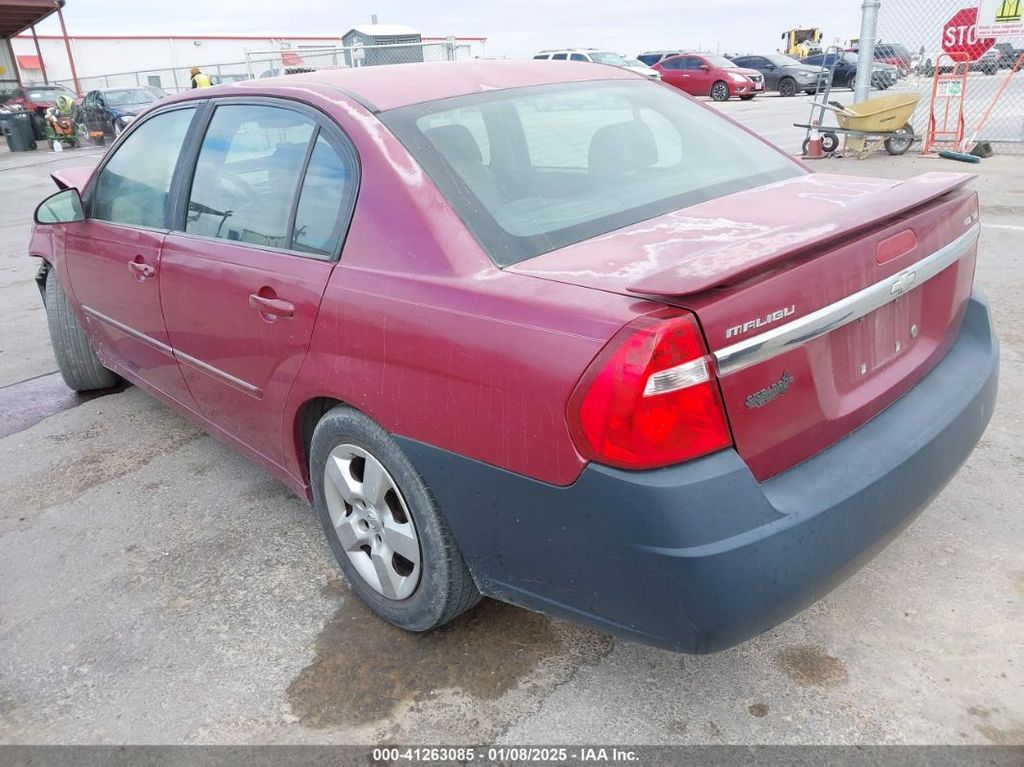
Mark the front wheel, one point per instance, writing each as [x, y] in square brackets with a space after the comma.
[787, 87]
[79, 366]
[720, 91]
[383, 526]
[900, 141]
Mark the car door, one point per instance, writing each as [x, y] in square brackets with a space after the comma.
[113, 256]
[92, 112]
[258, 233]
[700, 75]
[766, 68]
[673, 72]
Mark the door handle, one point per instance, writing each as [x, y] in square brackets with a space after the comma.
[140, 269]
[271, 307]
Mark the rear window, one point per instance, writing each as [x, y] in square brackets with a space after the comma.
[530, 170]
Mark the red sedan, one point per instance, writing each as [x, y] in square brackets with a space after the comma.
[706, 74]
[555, 335]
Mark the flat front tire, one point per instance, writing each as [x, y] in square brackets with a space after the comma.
[78, 364]
[383, 526]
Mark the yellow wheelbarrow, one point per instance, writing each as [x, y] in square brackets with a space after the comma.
[870, 124]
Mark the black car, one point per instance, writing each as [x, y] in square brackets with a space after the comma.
[783, 74]
[845, 76]
[1008, 55]
[107, 111]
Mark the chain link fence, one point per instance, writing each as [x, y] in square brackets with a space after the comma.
[912, 35]
[271, 63]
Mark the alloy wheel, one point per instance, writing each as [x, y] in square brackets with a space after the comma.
[720, 92]
[372, 521]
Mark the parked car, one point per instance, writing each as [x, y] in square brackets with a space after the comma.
[893, 54]
[883, 76]
[595, 56]
[37, 99]
[988, 63]
[635, 65]
[784, 74]
[106, 112]
[1008, 55]
[708, 74]
[650, 58]
[639, 369]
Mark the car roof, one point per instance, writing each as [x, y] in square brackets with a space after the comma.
[381, 88]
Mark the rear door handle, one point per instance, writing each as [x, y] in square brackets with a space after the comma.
[271, 307]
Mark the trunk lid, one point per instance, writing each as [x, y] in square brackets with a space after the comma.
[823, 298]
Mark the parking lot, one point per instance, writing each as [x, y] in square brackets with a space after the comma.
[158, 588]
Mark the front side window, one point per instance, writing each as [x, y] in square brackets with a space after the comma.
[133, 186]
[578, 57]
[559, 56]
[247, 174]
[578, 160]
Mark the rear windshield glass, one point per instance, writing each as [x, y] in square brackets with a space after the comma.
[530, 170]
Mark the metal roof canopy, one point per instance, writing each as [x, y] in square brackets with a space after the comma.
[18, 15]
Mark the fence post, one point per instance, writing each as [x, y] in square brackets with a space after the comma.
[866, 48]
[449, 44]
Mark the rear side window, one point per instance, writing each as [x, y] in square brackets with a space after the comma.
[248, 173]
[133, 186]
[650, 59]
[676, 63]
[559, 56]
[326, 199]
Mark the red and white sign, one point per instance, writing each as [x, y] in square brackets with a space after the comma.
[960, 35]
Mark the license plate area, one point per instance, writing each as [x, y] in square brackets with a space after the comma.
[875, 341]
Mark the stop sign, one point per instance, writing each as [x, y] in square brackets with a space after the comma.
[960, 35]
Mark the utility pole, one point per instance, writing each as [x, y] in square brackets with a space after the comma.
[866, 48]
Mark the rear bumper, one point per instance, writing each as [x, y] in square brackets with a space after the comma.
[700, 557]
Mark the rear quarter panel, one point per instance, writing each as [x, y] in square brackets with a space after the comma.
[419, 330]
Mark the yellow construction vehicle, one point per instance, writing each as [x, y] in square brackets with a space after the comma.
[801, 43]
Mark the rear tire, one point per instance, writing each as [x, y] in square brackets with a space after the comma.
[358, 523]
[787, 87]
[720, 91]
[78, 364]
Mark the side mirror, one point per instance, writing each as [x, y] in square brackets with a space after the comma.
[64, 207]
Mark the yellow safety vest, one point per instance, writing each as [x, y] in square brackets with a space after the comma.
[201, 80]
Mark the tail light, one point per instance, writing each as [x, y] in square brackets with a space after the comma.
[650, 398]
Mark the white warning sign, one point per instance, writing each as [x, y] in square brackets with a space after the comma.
[1000, 18]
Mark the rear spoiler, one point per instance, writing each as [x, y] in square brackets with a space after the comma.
[716, 268]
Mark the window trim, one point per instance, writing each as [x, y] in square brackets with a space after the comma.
[323, 125]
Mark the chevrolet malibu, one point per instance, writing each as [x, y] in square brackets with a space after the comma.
[544, 334]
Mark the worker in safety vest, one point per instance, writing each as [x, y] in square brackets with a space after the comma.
[200, 79]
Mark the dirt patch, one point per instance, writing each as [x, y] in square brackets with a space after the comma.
[365, 669]
[106, 450]
[1000, 736]
[758, 710]
[1018, 582]
[812, 666]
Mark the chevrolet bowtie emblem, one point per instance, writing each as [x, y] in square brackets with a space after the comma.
[904, 281]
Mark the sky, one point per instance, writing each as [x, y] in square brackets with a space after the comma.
[515, 29]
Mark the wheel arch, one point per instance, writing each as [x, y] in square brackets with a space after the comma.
[303, 423]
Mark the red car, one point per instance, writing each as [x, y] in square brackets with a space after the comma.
[37, 99]
[707, 74]
[555, 335]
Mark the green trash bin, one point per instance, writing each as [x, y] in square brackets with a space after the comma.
[17, 129]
